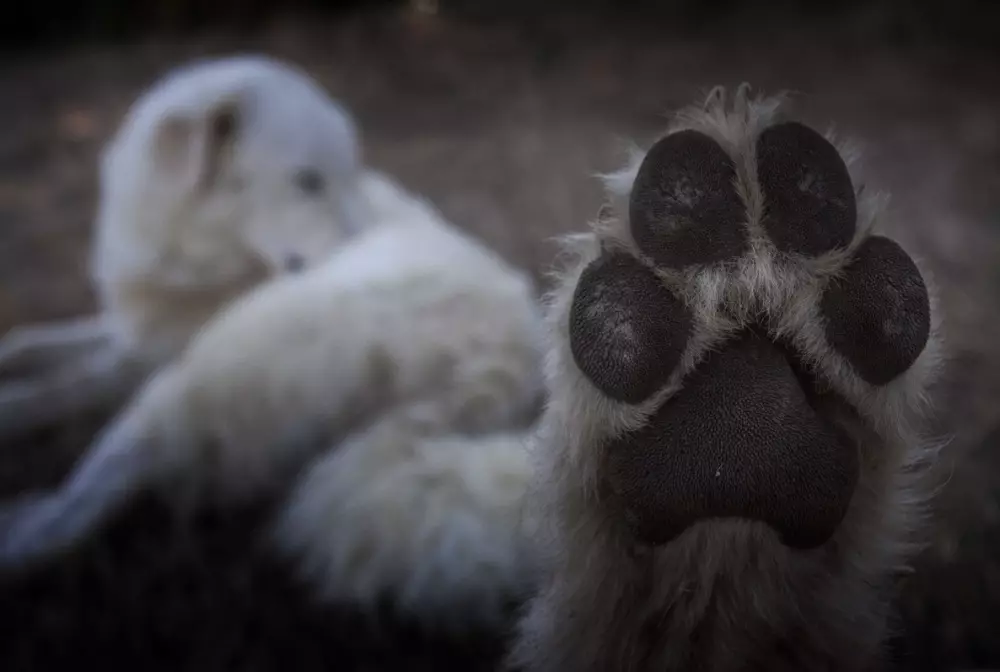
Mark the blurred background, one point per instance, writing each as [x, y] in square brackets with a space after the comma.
[501, 112]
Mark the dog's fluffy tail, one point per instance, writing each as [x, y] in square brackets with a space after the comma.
[433, 527]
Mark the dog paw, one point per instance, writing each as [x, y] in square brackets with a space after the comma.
[729, 467]
[741, 296]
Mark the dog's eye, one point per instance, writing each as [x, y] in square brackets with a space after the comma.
[310, 181]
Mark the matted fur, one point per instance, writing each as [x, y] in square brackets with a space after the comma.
[725, 595]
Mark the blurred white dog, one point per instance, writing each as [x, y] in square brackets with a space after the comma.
[389, 383]
[222, 175]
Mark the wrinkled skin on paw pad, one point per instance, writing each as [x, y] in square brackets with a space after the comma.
[878, 313]
[684, 209]
[809, 202]
[739, 441]
[627, 332]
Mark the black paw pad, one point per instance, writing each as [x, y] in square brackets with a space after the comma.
[627, 332]
[684, 209]
[740, 441]
[878, 314]
[809, 202]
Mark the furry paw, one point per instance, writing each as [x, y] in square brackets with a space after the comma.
[733, 330]
[737, 374]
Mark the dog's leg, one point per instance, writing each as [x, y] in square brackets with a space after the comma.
[125, 457]
[99, 379]
[30, 351]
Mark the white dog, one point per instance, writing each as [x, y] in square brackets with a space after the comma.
[389, 384]
[222, 175]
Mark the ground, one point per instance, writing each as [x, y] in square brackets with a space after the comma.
[503, 126]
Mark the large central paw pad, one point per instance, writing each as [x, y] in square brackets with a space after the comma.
[741, 438]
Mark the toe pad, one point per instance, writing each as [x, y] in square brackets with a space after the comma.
[878, 313]
[684, 209]
[809, 201]
[627, 332]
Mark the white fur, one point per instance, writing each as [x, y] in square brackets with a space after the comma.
[389, 388]
[201, 199]
[175, 218]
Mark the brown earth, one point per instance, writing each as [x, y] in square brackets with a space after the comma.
[503, 125]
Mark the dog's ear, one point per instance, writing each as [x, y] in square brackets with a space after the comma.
[193, 147]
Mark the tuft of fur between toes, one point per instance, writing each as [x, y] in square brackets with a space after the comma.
[729, 467]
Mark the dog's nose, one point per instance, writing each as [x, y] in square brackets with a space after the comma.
[294, 263]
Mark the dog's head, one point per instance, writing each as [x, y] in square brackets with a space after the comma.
[228, 166]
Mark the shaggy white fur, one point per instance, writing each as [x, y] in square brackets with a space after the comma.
[389, 385]
[223, 174]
